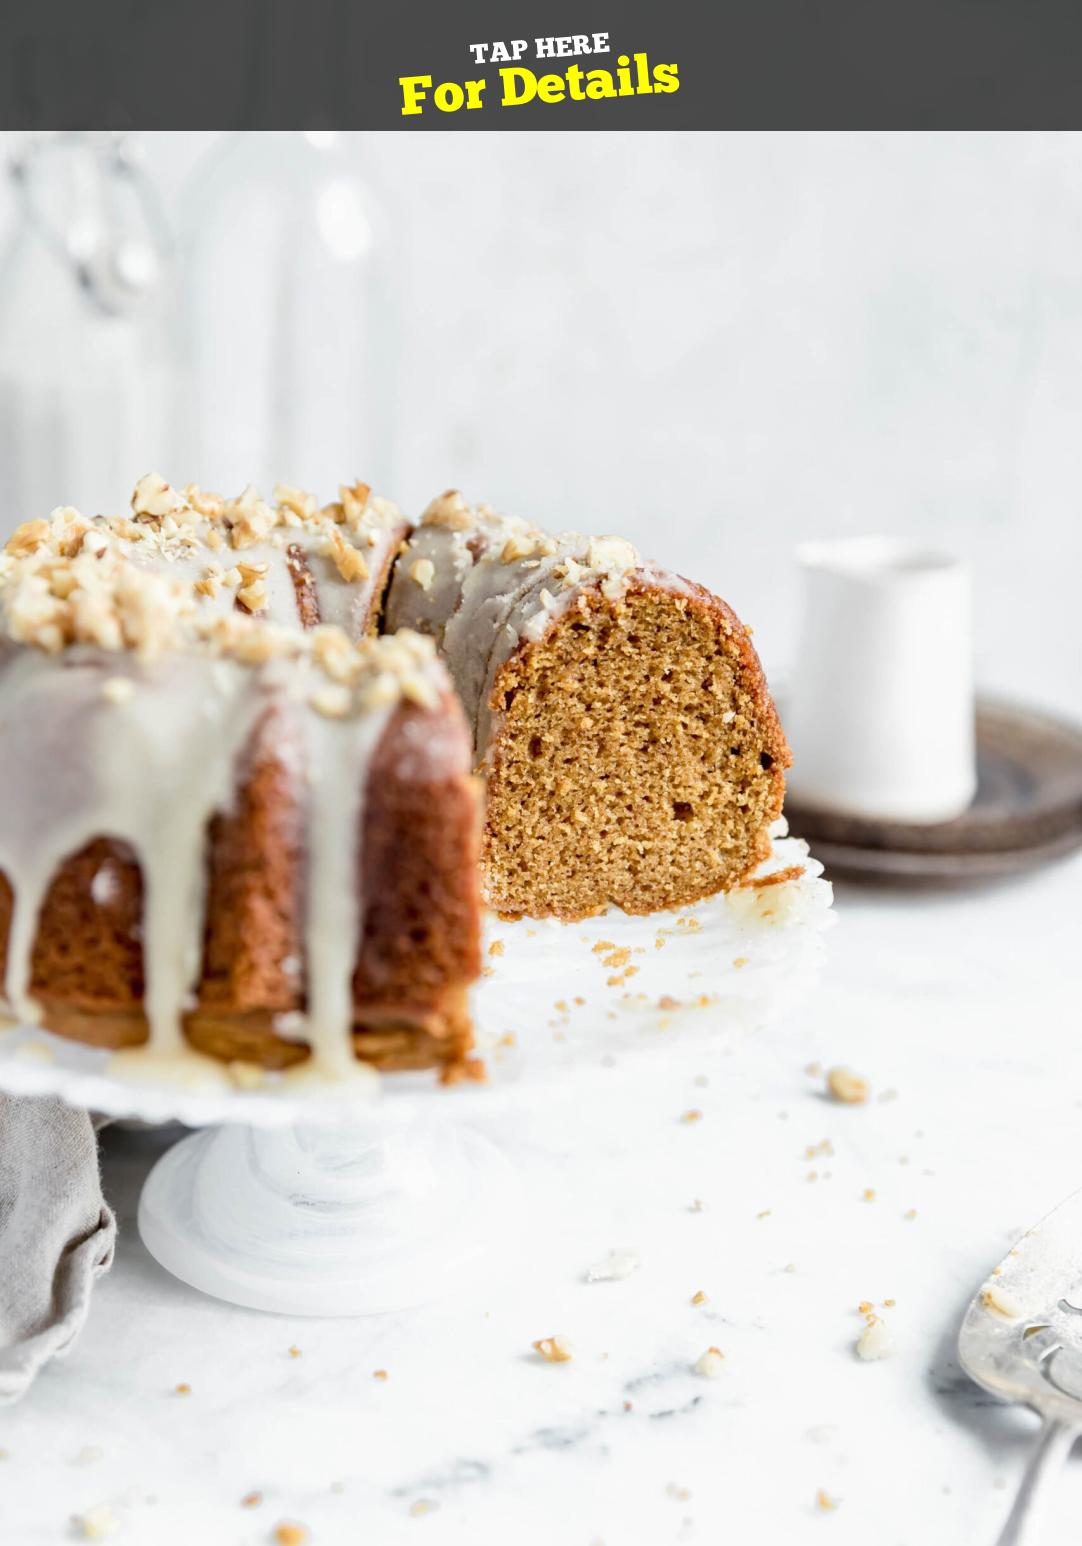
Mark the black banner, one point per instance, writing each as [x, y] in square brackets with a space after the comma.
[596, 64]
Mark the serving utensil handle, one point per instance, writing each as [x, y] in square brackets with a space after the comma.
[1053, 1445]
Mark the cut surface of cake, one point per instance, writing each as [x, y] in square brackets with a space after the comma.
[630, 748]
[231, 819]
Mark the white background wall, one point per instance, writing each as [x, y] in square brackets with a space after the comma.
[721, 344]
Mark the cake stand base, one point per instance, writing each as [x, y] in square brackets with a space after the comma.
[384, 1214]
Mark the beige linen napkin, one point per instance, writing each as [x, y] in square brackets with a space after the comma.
[56, 1233]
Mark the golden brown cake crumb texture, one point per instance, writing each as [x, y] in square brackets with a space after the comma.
[640, 760]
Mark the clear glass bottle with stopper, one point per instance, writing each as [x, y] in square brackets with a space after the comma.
[86, 368]
[289, 333]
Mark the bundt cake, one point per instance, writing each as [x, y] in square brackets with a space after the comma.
[239, 807]
[229, 819]
[630, 748]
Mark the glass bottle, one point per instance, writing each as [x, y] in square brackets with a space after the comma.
[289, 333]
[85, 332]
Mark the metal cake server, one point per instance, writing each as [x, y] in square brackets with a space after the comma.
[1021, 1339]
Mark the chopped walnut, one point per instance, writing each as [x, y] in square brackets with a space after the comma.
[846, 1086]
[333, 701]
[354, 500]
[152, 496]
[554, 1349]
[253, 596]
[346, 558]
[516, 548]
[423, 571]
[710, 1364]
[295, 499]
[250, 518]
[27, 538]
[449, 510]
[875, 1341]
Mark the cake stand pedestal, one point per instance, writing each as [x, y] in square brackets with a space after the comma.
[383, 1214]
[347, 1199]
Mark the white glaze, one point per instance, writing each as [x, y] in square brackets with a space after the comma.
[484, 600]
[339, 756]
[144, 744]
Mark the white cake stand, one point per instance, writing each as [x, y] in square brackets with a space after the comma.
[315, 1199]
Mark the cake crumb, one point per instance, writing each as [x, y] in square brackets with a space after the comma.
[846, 1086]
[289, 1533]
[692, 1116]
[183, 1389]
[709, 1364]
[294, 1351]
[824, 1502]
[423, 1506]
[554, 1349]
[875, 1341]
[619, 1264]
[380, 1374]
[910, 1214]
[764, 1213]
[739, 961]
[698, 1297]
[251, 1500]
[996, 1302]
[496, 948]
[602, 946]
[117, 689]
[97, 1524]
[868, 1194]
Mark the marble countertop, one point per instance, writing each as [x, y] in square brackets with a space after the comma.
[962, 1010]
